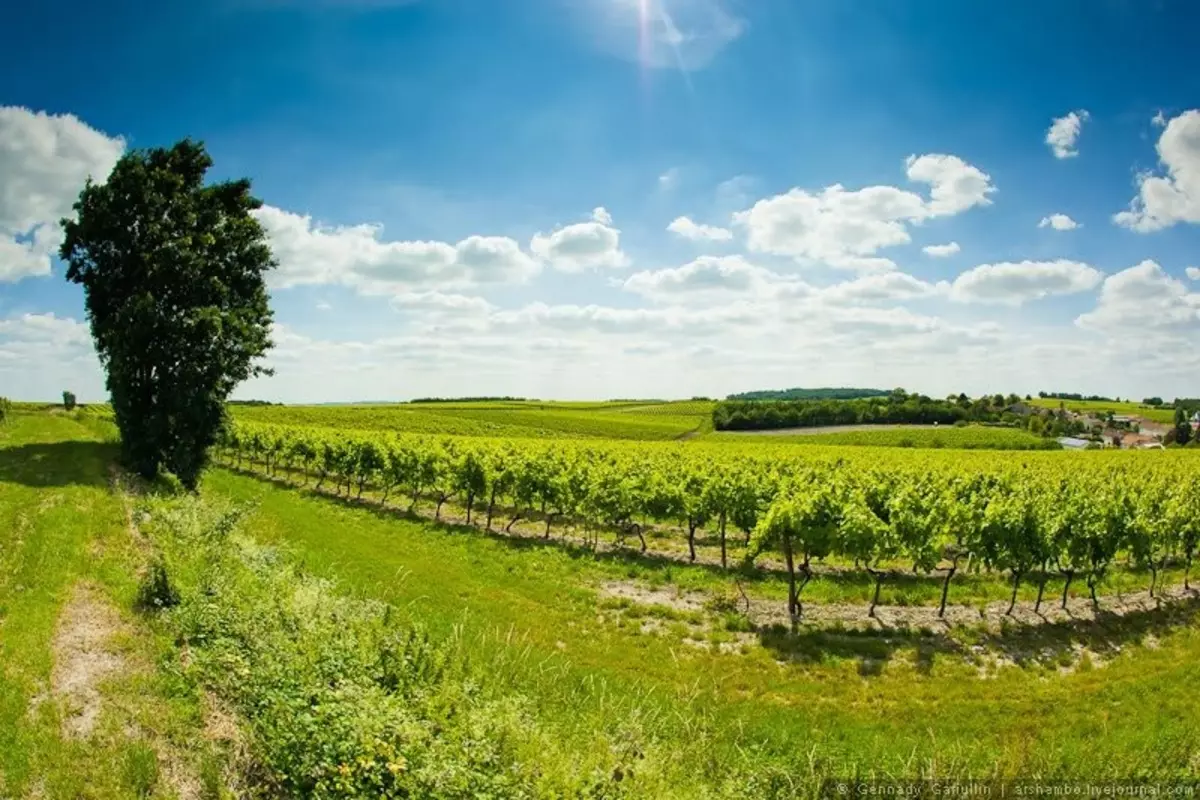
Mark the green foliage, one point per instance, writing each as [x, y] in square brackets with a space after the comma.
[155, 591]
[6, 409]
[172, 272]
[69, 401]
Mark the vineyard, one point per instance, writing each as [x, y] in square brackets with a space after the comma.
[1028, 516]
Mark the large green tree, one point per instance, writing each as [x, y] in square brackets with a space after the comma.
[173, 273]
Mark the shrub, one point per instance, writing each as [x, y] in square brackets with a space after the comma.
[156, 592]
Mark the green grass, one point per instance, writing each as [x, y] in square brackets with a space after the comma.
[840, 702]
[971, 437]
[577, 695]
[1100, 407]
[612, 420]
[62, 531]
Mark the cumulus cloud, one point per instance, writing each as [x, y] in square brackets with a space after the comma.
[685, 227]
[1143, 297]
[846, 228]
[715, 277]
[442, 304]
[1064, 133]
[1163, 200]
[1015, 283]
[888, 286]
[42, 353]
[1193, 273]
[582, 246]
[1059, 222]
[941, 250]
[356, 255]
[45, 159]
[600, 214]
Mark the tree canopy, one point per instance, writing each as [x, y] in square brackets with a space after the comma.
[174, 276]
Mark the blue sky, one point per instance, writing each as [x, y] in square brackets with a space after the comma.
[600, 198]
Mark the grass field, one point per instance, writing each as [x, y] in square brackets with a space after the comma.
[611, 420]
[656, 689]
[1100, 407]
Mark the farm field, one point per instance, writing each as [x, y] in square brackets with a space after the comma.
[1100, 407]
[612, 420]
[598, 669]
[972, 437]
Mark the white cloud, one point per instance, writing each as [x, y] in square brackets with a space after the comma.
[45, 160]
[1143, 298]
[1059, 222]
[669, 179]
[439, 303]
[1193, 273]
[715, 278]
[1064, 133]
[685, 227]
[1164, 200]
[600, 214]
[955, 185]
[941, 250]
[43, 354]
[888, 286]
[846, 228]
[1014, 283]
[355, 255]
[582, 246]
[1159, 120]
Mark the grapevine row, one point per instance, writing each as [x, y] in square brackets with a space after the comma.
[1021, 518]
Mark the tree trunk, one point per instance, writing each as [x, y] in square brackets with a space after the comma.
[641, 537]
[320, 481]
[1037, 606]
[1012, 603]
[1091, 582]
[793, 599]
[878, 585]
[1067, 586]
[513, 521]
[412, 507]
[470, 502]
[807, 571]
[691, 540]
[437, 514]
[491, 505]
[946, 587]
[362, 481]
[1153, 578]
[549, 518]
[387, 489]
[1187, 569]
[723, 564]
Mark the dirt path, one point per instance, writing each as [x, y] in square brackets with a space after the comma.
[84, 657]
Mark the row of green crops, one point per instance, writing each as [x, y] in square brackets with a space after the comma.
[1023, 514]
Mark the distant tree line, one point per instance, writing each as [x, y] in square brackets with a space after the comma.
[469, 400]
[839, 393]
[898, 407]
[1076, 396]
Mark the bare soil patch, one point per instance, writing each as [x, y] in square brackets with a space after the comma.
[84, 656]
